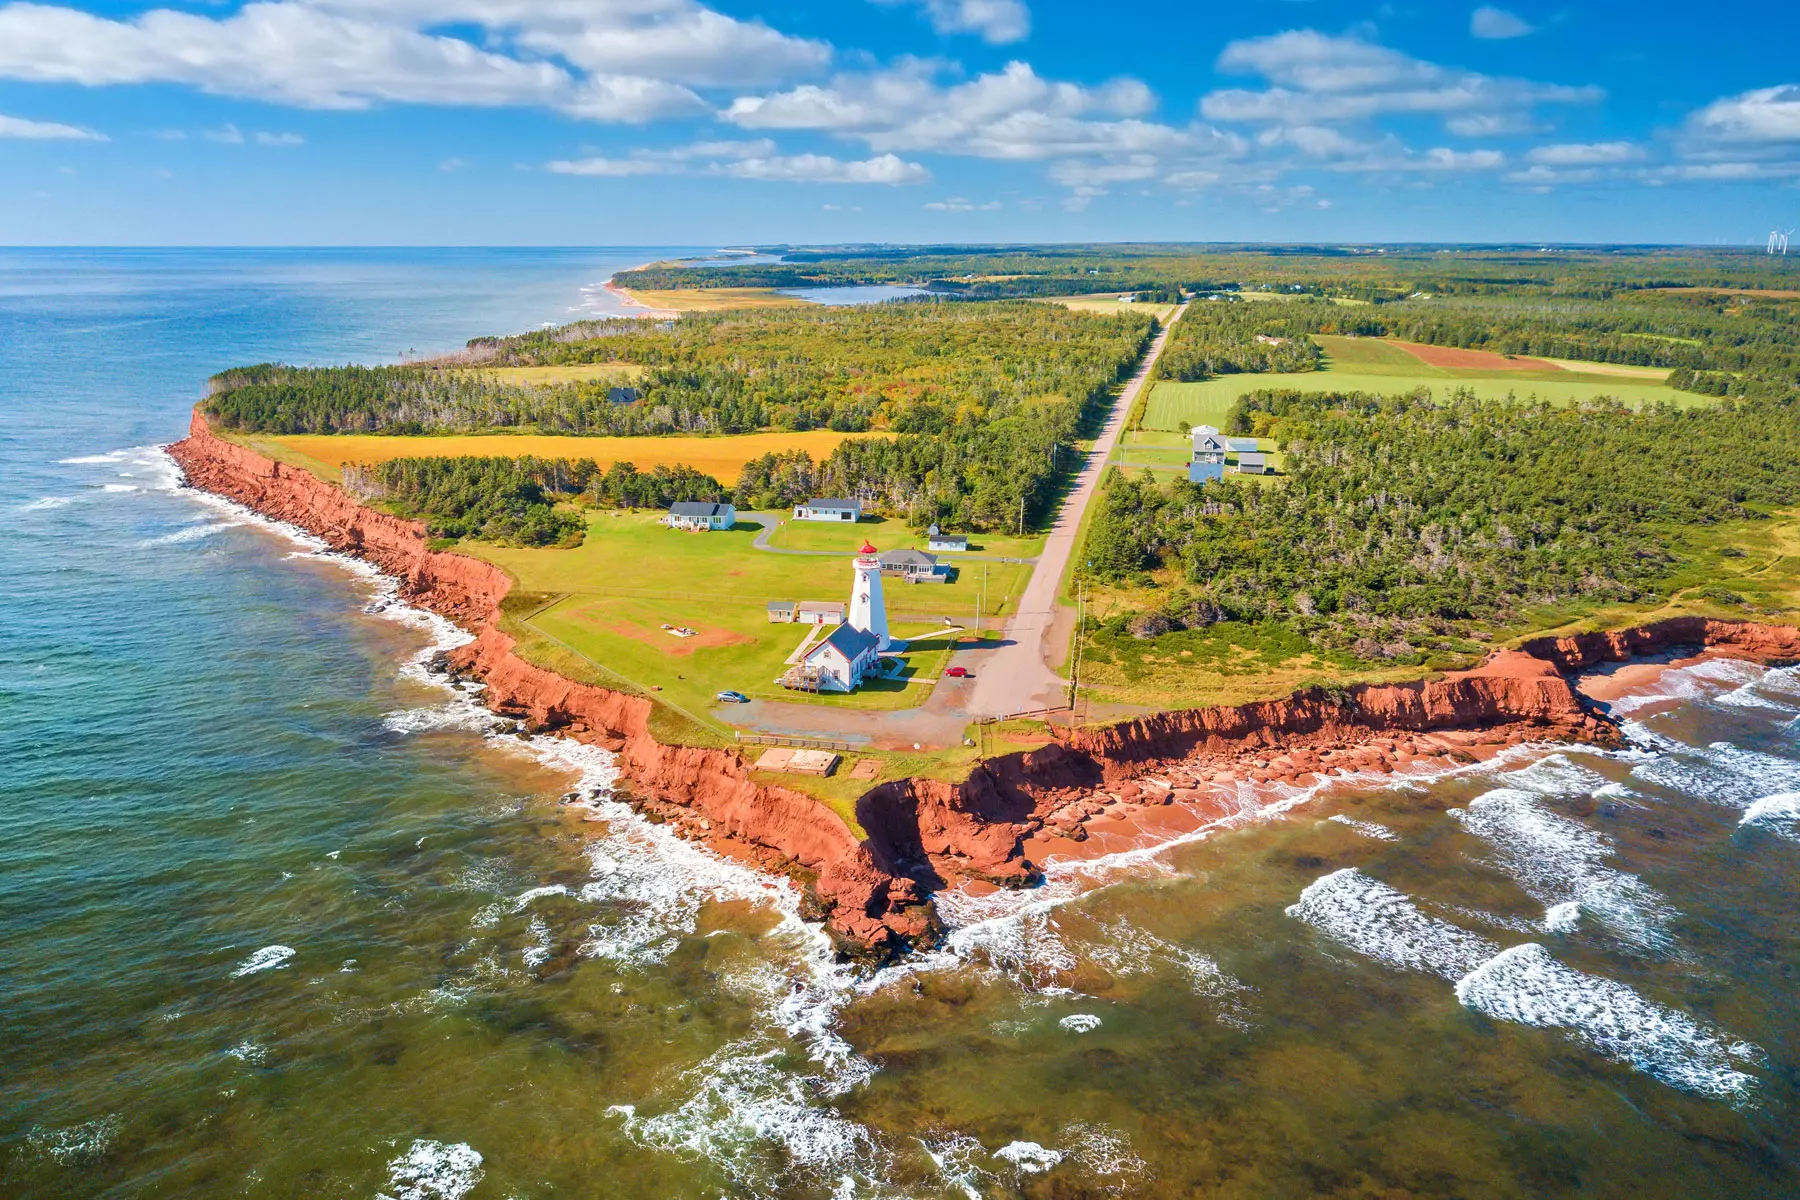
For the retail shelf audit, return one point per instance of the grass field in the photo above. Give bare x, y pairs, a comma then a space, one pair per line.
1110, 304
716, 299
721, 457
888, 534
612, 595
1740, 569
1374, 365
569, 373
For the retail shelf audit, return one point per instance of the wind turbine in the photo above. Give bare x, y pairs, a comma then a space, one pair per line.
1778, 241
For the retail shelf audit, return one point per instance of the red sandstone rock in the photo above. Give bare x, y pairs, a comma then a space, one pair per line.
924, 833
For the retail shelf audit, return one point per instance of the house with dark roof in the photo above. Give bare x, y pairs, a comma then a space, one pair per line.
781, 612
848, 511
1210, 446
839, 663
914, 566
698, 517
1252, 463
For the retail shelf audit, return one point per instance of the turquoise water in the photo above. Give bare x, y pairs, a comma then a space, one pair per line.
279, 917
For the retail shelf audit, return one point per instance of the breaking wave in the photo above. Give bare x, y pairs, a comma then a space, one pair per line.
1526, 986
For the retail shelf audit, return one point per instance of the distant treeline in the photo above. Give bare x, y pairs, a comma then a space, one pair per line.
986, 401
1399, 518
1378, 274
1228, 338
513, 500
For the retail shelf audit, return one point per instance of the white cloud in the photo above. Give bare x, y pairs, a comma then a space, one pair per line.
1586, 154
1319, 78
279, 139
44, 131
452, 165
1764, 117
1498, 24
1092, 174
229, 135
612, 168
821, 168
1013, 113
752, 159
962, 204
997, 21
634, 60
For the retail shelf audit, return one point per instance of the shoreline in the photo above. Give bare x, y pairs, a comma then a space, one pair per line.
1096, 792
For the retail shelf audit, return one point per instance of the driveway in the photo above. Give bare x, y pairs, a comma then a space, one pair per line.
1015, 676
770, 522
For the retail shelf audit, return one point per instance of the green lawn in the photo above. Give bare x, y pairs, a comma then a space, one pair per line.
1371, 365
630, 576
887, 534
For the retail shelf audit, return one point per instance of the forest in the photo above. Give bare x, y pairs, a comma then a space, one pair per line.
1405, 521
514, 501
984, 401
1230, 338
1376, 274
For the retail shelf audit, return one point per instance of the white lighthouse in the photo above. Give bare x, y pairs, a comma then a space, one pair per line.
868, 609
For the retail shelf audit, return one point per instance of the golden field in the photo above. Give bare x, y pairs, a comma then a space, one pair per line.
721, 457
609, 372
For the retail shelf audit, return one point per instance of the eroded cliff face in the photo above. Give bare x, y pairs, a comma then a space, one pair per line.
925, 834
1742, 639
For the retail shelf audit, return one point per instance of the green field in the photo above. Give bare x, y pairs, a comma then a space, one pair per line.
886, 534
1371, 365
608, 599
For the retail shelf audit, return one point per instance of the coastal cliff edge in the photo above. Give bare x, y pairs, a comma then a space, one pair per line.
925, 834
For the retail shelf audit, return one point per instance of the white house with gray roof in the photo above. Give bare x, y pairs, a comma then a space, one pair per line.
698, 517
847, 511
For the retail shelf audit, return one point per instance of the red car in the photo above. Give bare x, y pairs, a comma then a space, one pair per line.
957, 672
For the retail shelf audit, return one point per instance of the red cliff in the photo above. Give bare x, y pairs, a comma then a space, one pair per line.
923, 834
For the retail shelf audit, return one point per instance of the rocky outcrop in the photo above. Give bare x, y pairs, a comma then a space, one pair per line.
1742, 639
1511, 692
924, 834
461, 588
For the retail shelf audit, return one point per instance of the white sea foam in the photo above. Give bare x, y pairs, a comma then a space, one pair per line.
1527, 986
84, 460
745, 1107
46, 502
249, 1053
1558, 861
1721, 773
1368, 829
433, 1171
75, 1145
1563, 918
187, 533
1381, 923
1778, 814
269, 958
1708, 681
1126, 950
1080, 1022
1029, 1157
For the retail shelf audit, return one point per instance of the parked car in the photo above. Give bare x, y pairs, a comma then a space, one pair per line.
732, 698
958, 672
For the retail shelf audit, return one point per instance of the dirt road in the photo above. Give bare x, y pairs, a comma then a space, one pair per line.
1014, 677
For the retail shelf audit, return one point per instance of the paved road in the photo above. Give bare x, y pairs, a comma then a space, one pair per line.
1013, 677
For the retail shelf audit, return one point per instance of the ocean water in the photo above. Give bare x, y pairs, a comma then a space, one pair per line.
280, 917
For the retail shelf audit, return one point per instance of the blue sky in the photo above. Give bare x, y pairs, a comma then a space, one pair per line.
620, 122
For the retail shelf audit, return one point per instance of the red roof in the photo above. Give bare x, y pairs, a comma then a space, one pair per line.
867, 548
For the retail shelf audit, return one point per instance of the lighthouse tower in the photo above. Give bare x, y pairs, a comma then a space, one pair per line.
868, 609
